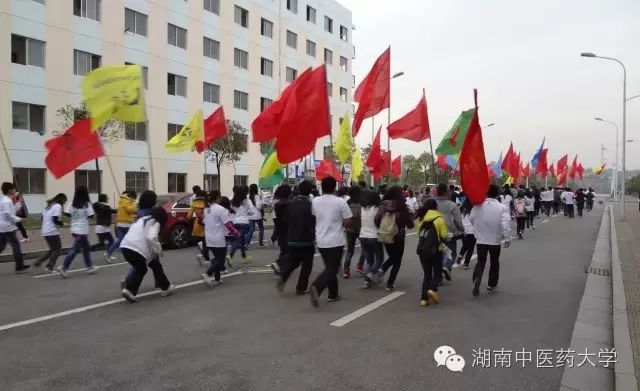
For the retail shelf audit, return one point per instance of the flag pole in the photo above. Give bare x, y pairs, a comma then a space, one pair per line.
373, 136
113, 176
389, 143
6, 155
205, 181
433, 162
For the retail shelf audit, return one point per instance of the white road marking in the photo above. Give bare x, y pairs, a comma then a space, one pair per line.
55, 273
366, 309
545, 221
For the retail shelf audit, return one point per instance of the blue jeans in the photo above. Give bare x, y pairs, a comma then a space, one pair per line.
252, 229
12, 239
240, 241
453, 246
81, 244
351, 249
120, 232
372, 250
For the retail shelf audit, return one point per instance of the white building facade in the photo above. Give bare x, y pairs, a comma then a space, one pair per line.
195, 54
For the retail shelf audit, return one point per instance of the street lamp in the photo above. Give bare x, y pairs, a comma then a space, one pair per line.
615, 176
397, 75
624, 121
488, 126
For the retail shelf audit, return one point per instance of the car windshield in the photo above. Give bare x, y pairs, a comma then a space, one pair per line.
163, 200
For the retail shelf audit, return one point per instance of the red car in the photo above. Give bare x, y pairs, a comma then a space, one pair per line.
177, 230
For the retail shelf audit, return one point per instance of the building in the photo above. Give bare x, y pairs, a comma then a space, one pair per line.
195, 54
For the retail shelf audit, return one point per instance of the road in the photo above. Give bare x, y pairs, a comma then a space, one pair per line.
243, 335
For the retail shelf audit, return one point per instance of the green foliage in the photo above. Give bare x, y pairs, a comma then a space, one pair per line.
229, 149
110, 132
633, 185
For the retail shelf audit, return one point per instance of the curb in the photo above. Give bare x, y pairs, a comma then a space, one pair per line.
625, 377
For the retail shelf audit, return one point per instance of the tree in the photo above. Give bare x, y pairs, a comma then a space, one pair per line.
633, 185
413, 170
426, 163
229, 149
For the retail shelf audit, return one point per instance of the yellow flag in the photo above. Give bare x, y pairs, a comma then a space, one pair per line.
509, 181
344, 143
356, 165
270, 166
186, 139
114, 91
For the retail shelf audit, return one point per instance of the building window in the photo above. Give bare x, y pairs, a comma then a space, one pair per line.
328, 24
28, 116
27, 51
176, 36
343, 94
311, 14
266, 67
87, 9
137, 181
344, 64
311, 48
135, 22
264, 103
292, 5
211, 6
135, 131
211, 48
91, 179
291, 74
211, 92
29, 180
240, 180
84, 62
292, 39
330, 88
172, 130
240, 100
176, 85
266, 28
241, 16
177, 183
210, 182
344, 33
327, 152
328, 57
145, 74
240, 58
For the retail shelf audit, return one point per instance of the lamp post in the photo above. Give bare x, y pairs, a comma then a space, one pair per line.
624, 121
615, 175
488, 126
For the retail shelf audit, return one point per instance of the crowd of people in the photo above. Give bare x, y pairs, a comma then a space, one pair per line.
304, 219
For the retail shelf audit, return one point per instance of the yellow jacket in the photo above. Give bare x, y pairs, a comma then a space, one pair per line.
197, 206
438, 222
126, 210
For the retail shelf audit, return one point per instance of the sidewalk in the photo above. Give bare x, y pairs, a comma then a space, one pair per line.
629, 248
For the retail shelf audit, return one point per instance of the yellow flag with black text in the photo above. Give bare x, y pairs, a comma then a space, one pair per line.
114, 91
191, 132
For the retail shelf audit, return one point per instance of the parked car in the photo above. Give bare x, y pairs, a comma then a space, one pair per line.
177, 230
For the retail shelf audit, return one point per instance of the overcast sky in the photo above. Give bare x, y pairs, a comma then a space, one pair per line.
524, 58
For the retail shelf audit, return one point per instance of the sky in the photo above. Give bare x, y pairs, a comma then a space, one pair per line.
524, 59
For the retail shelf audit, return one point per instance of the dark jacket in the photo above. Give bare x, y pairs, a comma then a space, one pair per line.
356, 220
280, 222
300, 221
403, 218
580, 197
104, 214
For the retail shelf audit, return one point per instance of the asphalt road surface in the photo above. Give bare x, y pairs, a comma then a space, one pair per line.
78, 334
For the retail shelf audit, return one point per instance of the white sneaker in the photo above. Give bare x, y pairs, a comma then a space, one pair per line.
24, 240
169, 291
60, 269
207, 280
214, 282
107, 258
200, 245
130, 297
92, 270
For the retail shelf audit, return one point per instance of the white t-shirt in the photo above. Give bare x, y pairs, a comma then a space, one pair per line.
8, 218
330, 212
568, 197
412, 204
506, 200
529, 203
468, 226
80, 219
49, 228
101, 229
368, 228
243, 212
215, 217
255, 209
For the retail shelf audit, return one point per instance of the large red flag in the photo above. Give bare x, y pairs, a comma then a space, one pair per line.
542, 167
396, 167
526, 171
215, 126
574, 168
76, 146
442, 162
552, 170
305, 117
508, 158
373, 94
473, 164
382, 168
562, 165
327, 168
375, 154
414, 125
580, 171
514, 167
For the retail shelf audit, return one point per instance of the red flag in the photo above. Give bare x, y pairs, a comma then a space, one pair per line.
541, 168
562, 165
506, 161
414, 125
214, 127
472, 163
305, 117
76, 146
580, 171
396, 167
327, 168
442, 162
552, 170
514, 167
375, 154
574, 168
490, 171
373, 94
382, 168
526, 171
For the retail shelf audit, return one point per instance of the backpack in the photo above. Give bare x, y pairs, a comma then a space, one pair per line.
428, 239
388, 228
520, 207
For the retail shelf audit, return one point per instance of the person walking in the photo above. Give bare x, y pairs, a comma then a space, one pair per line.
22, 212
568, 198
126, 213
453, 218
547, 200
469, 240
393, 209
492, 225
353, 232
300, 237
217, 226
371, 248
529, 204
80, 212
520, 213
580, 199
506, 199
332, 213
557, 200
257, 215
590, 196
8, 228
537, 203
141, 247
241, 214
195, 216
431, 234
51, 221
283, 194
104, 213
412, 203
